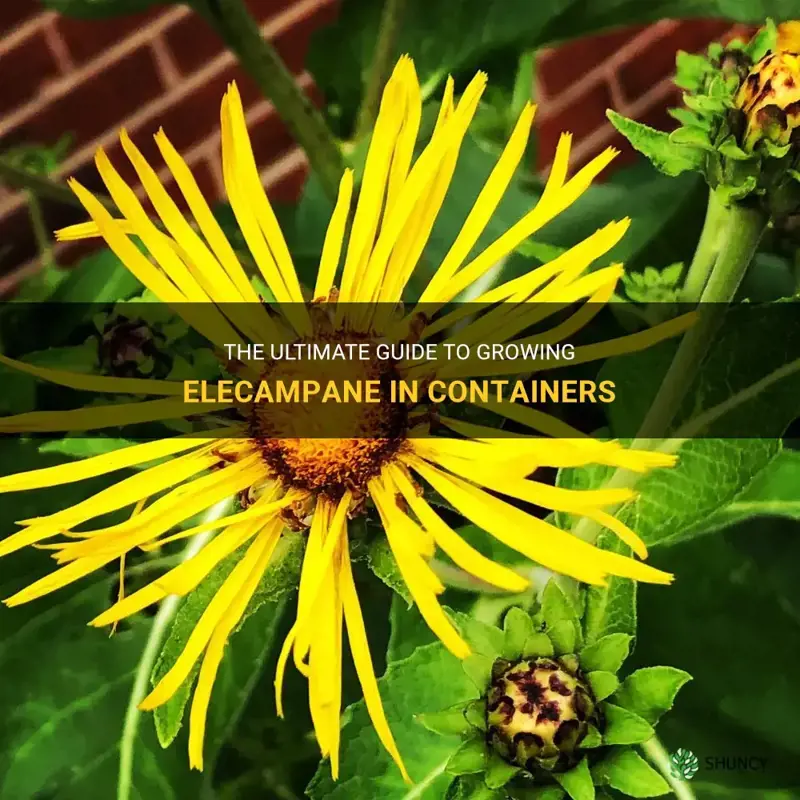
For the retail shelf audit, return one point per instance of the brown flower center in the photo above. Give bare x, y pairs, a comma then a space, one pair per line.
339, 437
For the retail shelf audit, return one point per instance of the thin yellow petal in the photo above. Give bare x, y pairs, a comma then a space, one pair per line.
58, 579
88, 230
334, 237
220, 603
216, 647
128, 491
185, 577
535, 538
250, 184
463, 554
373, 185
109, 416
527, 226
359, 647
106, 462
489, 198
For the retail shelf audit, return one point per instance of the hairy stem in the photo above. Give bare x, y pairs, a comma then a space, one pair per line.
239, 31
708, 248
380, 67
44, 240
158, 632
658, 755
742, 232
43, 187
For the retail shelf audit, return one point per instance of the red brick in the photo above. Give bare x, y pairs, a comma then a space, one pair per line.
655, 117
18, 244
193, 43
14, 12
262, 10
86, 38
205, 180
24, 69
560, 68
195, 116
289, 188
581, 118
657, 60
87, 174
98, 104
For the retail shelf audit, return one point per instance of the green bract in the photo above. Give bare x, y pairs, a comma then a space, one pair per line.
736, 126
554, 720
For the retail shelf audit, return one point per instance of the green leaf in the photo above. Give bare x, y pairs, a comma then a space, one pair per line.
592, 739
100, 277
607, 653
486, 640
745, 583
450, 722
518, 628
610, 608
663, 152
479, 670
565, 637
475, 713
429, 680
279, 579
67, 685
690, 69
629, 773
408, 630
624, 727
556, 606
651, 691
772, 492
382, 562
692, 136
472, 787
537, 793
539, 645
499, 772
577, 782
76, 447
603, 684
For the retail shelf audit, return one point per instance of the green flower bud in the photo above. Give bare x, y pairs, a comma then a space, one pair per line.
770, 100
538, 711
131, 349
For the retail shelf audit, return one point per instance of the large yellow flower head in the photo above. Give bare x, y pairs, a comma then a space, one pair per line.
319, 484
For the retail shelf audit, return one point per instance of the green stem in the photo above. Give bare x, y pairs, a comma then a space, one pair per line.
708, 248
239, 31
380, 67
158, 632
44, 187
742, 230
43, 238
658, 754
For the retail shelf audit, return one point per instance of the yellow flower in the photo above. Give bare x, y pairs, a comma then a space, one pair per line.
789, 36
770, 99
322, 482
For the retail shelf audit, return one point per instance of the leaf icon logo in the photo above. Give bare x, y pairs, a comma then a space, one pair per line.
684, 764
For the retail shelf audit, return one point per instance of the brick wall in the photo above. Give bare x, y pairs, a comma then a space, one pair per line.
629, 70
165, 67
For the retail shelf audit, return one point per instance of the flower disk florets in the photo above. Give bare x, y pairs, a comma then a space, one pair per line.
770, 99
329, 447
538, 711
